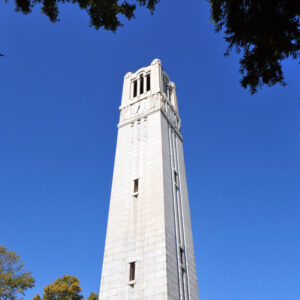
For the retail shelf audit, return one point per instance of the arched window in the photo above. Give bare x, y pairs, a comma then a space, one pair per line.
142, 84
148, 82
135, 88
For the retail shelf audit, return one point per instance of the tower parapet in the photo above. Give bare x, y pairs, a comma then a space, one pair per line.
147, 90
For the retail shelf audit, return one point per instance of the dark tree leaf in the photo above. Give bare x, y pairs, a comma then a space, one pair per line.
264, 31
103, 13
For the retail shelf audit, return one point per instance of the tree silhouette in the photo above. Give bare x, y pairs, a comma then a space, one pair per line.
265, 32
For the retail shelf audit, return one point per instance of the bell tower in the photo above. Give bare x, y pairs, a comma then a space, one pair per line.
149, 251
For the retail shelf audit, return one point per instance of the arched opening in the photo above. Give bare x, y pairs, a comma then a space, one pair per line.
142, 84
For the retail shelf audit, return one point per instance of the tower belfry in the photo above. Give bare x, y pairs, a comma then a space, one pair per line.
149, 251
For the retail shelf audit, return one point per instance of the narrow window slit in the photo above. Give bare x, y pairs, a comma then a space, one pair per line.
135, 185
135, 88
181, 254
132, 271
176, 180
148, 82
141, 84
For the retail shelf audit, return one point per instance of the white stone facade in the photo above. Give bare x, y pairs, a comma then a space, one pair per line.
149, 250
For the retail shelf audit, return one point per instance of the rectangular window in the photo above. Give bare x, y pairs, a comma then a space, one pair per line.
141, 84
135, 88
135, 185
176, 180
181, 254
148, 82
132, 271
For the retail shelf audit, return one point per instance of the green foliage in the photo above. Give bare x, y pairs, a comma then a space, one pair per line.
36, 297
65, 288
102, 13
13, 279
93, 296
265, 31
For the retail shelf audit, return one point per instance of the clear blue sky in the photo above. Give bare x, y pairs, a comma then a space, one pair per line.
60, 91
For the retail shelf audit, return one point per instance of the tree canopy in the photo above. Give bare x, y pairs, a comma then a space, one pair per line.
265, 32
102, 13
93, 296
65, 288
13, 279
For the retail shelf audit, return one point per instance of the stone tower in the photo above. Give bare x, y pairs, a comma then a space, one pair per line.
149, 251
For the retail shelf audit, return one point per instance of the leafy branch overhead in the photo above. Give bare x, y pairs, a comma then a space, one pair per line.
265, 32
103, 13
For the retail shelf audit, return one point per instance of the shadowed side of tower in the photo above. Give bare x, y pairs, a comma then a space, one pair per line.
149, 245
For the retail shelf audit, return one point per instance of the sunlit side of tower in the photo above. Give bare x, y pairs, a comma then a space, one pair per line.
149, 251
